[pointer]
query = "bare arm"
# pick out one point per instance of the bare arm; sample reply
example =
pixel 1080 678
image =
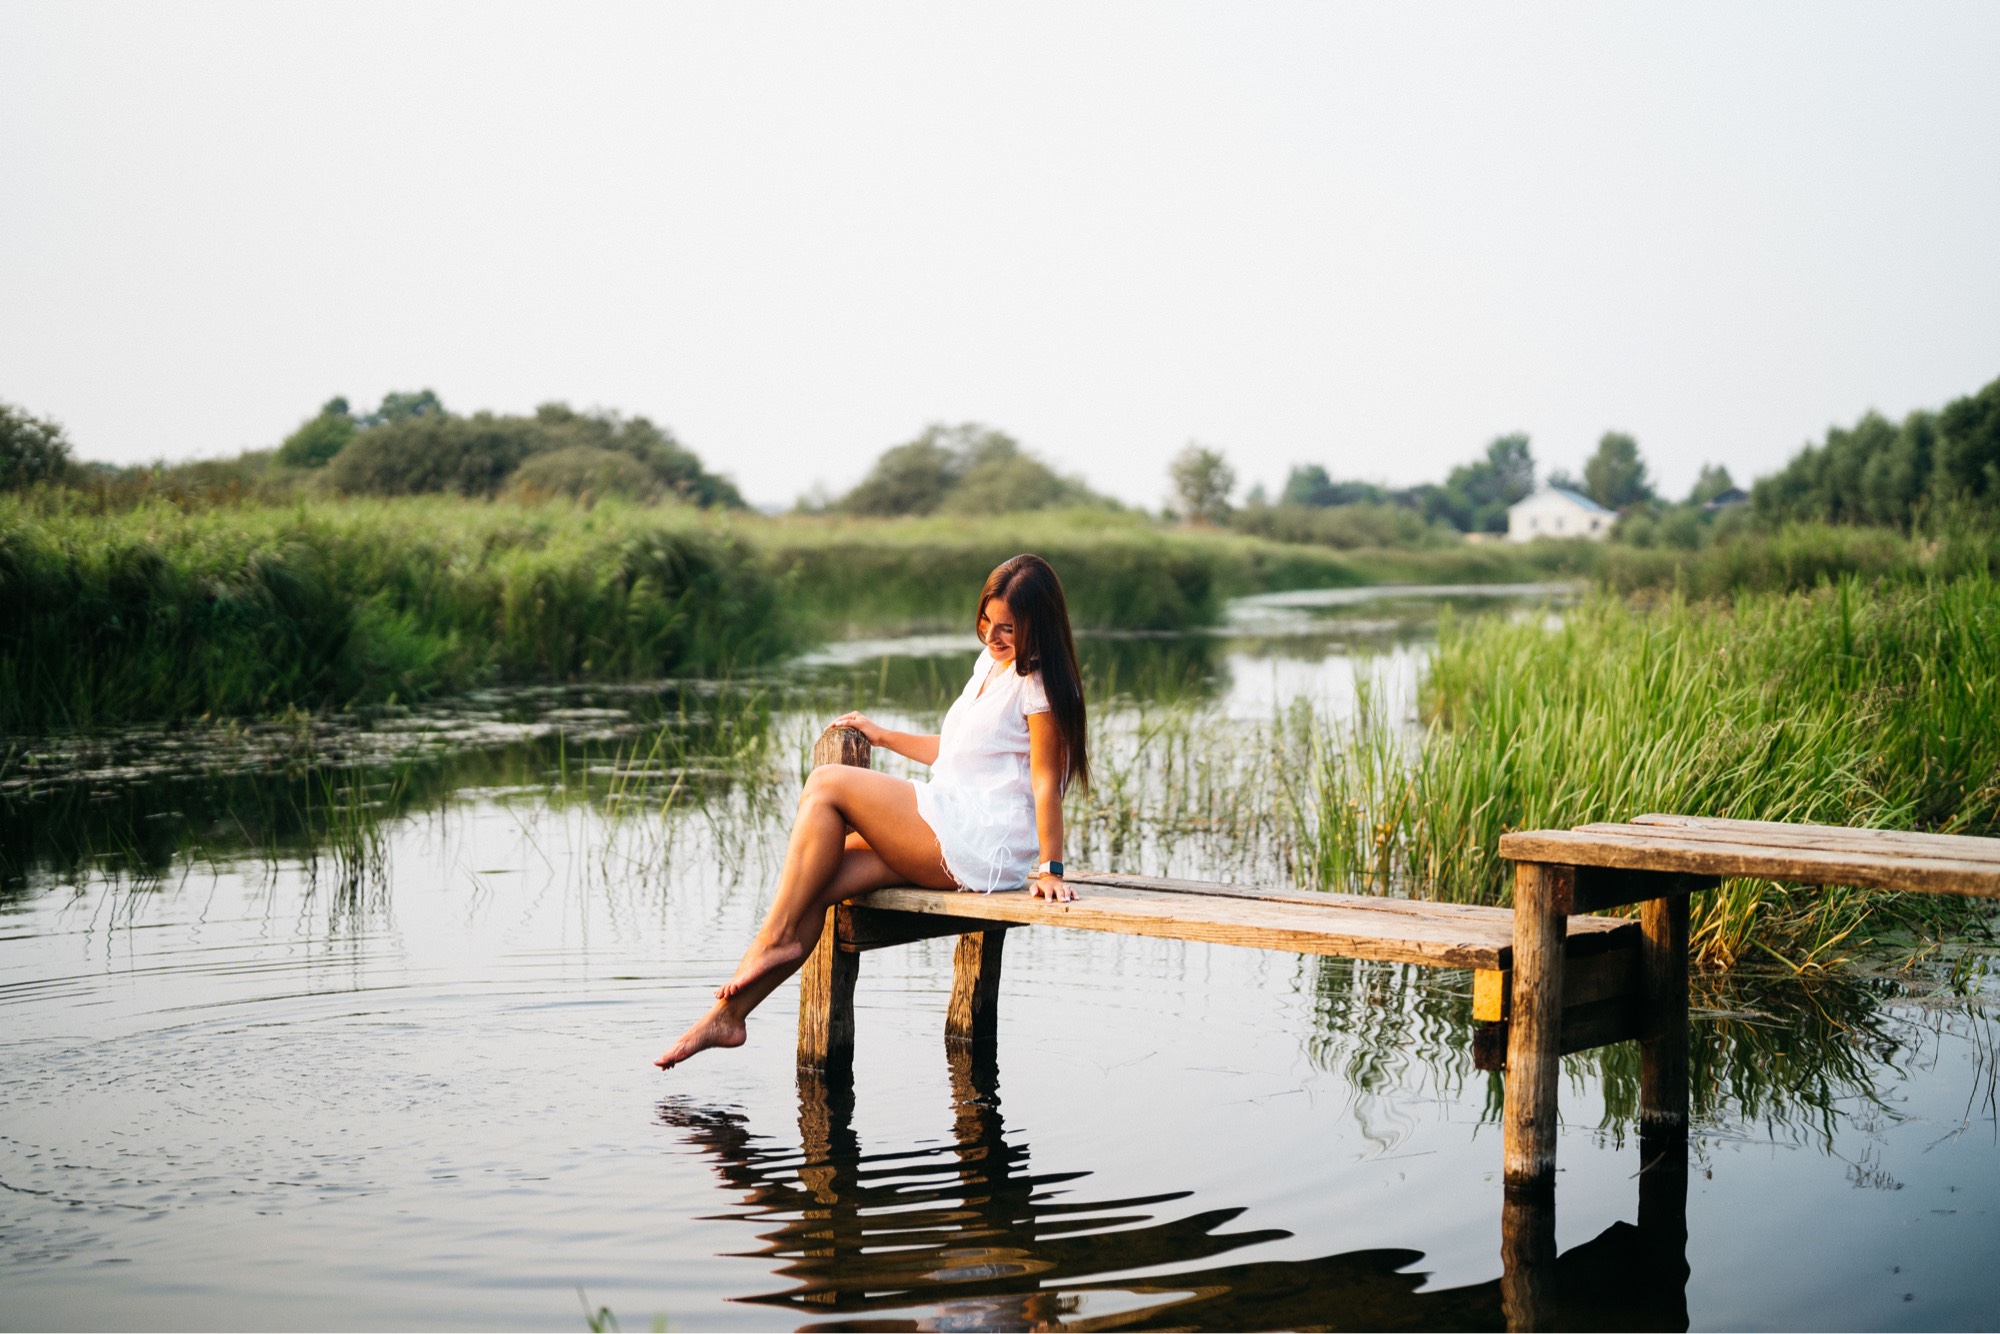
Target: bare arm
pixel 918 746
pixel 1047 767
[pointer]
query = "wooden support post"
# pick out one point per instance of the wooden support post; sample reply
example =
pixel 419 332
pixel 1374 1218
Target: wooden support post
pixel 826 982
pixel 842 745
pixel 1663 1048
pixel 826 1003
pixel 1663 1089
pixel 975 988
pixel 1541 919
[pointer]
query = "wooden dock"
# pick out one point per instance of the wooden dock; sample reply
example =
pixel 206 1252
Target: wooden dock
pixel 1550 975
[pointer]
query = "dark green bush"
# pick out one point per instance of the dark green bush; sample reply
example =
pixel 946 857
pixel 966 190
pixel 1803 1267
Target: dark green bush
pixel 31 450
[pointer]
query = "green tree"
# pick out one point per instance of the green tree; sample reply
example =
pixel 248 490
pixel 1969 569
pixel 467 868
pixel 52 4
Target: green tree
pixel 316 442
pixel 1308 484
pixel 1475 497
pixel 911 478
pixel 1012 482
pixel 1202 481
pixel 677 468
pixel 1869 473
pixel 430 452
pixel 400 406
pixel 1968 447
pixel 1616 475
pixel 1714 480
pixel 963 469
pixel 586 473
pixel 32 449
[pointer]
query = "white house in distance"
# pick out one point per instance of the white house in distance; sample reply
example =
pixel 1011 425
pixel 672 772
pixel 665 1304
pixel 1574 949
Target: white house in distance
pixel 1554 512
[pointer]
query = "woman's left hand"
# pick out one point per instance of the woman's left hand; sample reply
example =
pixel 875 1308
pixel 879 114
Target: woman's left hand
pixel 1050 887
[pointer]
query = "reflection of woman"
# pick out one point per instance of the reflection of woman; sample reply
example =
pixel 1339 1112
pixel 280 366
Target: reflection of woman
pixel 990 817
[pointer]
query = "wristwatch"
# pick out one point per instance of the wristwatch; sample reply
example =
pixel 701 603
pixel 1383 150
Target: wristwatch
pixel 1050 868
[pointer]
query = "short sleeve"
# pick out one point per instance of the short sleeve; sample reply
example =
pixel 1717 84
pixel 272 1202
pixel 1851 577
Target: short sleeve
pixel 1034 699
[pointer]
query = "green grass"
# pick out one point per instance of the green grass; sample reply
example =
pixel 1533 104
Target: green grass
pixel 158 610
pixel 1120 571
pixel 1848 705
pixel 1802 556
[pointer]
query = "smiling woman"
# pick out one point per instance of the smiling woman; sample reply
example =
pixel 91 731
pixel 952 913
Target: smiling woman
pixel 1008 750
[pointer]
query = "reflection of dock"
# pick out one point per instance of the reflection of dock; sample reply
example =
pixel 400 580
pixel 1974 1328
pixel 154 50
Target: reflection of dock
pixel 969 1236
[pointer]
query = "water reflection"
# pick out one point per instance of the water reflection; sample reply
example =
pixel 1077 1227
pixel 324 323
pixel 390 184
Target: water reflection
pixel 1787 1056
pixel 969 1236
pixel 141 803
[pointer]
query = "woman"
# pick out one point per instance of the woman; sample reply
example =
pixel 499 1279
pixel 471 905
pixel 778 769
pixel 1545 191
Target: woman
pixel 990 817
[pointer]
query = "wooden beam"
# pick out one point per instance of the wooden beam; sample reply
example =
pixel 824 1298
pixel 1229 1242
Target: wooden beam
pixel 974 1015
pixel 1529 1118
pixel 865 928
pixel 1586 978
pixel 1601 887
pixel 1598 1024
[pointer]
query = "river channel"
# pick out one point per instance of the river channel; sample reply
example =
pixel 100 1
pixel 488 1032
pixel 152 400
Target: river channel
pixel 346 1022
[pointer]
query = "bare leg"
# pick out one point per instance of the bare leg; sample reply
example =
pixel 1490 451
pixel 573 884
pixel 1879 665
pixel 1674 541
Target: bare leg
pixel 821 868
pixel 851 873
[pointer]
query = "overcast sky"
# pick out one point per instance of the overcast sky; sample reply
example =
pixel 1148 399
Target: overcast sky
pixel 1371 237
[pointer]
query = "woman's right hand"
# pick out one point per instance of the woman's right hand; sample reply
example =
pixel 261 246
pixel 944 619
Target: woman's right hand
pixel 861 723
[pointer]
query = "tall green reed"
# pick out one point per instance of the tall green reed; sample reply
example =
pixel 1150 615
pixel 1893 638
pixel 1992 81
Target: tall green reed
pixel 1851 705
pixel 156 612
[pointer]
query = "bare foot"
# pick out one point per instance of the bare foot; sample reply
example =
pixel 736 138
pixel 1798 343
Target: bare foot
pixel 717 1028
pixel 759 963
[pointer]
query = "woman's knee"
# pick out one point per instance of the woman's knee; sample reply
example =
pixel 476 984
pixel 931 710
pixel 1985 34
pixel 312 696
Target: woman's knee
pixel 823 785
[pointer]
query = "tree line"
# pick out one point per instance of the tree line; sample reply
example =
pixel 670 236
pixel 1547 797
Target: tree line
pixel 409 444
pixel 1873 473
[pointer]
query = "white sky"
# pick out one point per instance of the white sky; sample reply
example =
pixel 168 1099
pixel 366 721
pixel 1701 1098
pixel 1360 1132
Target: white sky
pixel 1371 237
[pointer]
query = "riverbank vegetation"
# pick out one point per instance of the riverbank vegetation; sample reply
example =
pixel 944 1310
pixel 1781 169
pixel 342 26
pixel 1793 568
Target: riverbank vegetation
pixel 156 610
pixel 1853 704
pixel 159 612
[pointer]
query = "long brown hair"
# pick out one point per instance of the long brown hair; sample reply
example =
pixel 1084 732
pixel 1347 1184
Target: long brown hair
pixel 1043 643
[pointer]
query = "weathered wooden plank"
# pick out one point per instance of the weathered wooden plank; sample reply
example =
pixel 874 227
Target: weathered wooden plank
pixel 1587 978
pixel 826 1003
pixel 1598 1024
pixel 1371 902
pixel 1964 847
pixel 1337 927
pixel 1584 931
pixel 1869 843
pixel 1665 850
pixel 974 1015
pixel 1528 1122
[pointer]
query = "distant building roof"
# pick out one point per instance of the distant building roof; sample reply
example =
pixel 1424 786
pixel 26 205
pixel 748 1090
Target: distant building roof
pixel 1584 502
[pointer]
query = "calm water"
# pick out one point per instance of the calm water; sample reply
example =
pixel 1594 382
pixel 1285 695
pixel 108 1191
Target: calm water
pixel 347 1023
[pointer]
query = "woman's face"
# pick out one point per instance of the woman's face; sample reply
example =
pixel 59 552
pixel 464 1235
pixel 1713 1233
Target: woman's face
pixel 997 625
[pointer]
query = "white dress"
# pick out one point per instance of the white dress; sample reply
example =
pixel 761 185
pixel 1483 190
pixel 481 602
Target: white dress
pixel 979 801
